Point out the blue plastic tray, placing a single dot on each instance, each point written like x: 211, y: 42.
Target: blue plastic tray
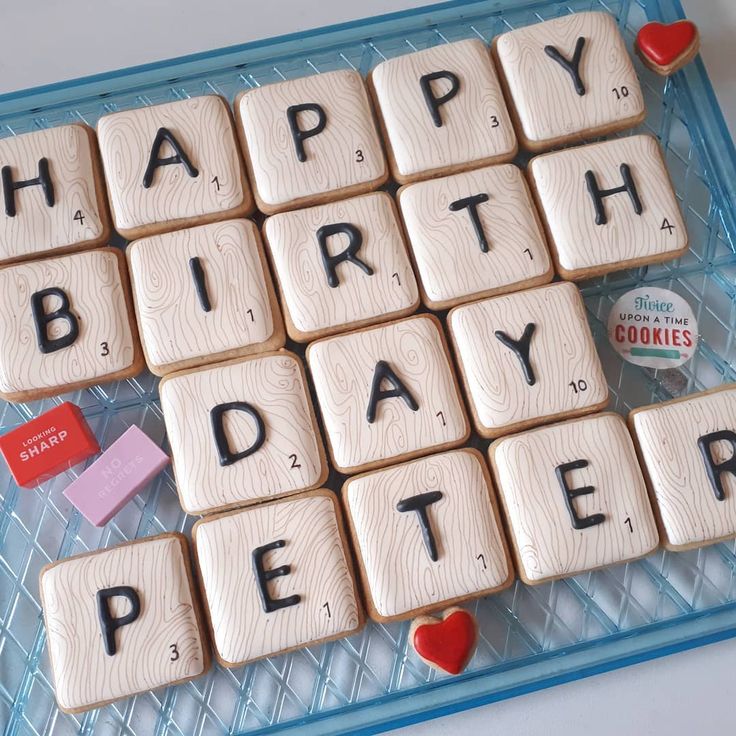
x: 529, y: 638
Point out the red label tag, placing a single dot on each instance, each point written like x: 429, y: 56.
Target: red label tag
x: 46, y: 446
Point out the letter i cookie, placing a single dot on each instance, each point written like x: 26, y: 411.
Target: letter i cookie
x: 688, y: 451
x: 66, y: 323
x: 276, y: 577
x: 574, y: 497
x: 121, y: 621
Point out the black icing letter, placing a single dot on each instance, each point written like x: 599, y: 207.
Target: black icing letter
x: 572, y: 493
x: 200, y: 283
x: 108, y: 623
x: 714, y: 469
x: 180, y: 157
x: 350, y: 254
x: 521, y: 348
x: 599, y: 194
x: 43, y: 180
x: 225, y: 454
x: 471, y: 205
x: 571, y: 66
x: 419, y: 504
x: 42, y: 319
x: 263, y: 576
x: 299, y: 135
x: 381, y: 371
x: 434, y: 103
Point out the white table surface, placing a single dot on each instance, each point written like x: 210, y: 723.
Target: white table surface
x: 44, y: 41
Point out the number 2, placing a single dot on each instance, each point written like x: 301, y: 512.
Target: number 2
x: 294, y: 463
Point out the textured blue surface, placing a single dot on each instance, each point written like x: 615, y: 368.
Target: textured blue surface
x: 530, y: 637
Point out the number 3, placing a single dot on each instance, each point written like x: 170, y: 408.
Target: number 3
x: 174, y: 652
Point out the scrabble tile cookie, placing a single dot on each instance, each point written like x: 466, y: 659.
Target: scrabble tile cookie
x: 574, y: 497
x: 310, y: 140
x: 276, y: 577
x: 569, y: 78
x: 527, y: 358
x: 241, y: 431
x: 121, y: 621
x: 172, y: 165
x: 474, y: 234
x: 342, y: 264
x: 427, y: 534
x: 442, y: 110
x: 53, y: 193
x: 387, y: 393
x: 608, y: 206
x: 687, y: 447
x: 203, y: 295
x: 66, y: 323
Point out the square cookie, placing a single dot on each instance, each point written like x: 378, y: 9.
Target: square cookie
x: 276, y: 577
x: 574, y: 497
x: 474, y: 234
x: 202, y: 295
x: 309, y: 140
x: 442, y: 110
x: 172, y: 165
x: 66, y: 323
x: 569, y: 78
x: 527, y: 358
x: 687, y: 448
x: 53, y: 193
x: 121, y: 621
x: 427, y: 534
x: 342, y: 264
x: 241, y: 432
x: 387, y: 393
x: 608, y: 206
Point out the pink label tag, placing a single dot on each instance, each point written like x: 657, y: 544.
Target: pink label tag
x: 116, y: 476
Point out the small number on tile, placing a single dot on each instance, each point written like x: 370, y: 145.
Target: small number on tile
x: 621, y: 92
x: 326, y: 605
x: 359, y: 157
x: 216, y: 182
x: 494, y: 122
x: 105, y: 349
x: 174, y: 652
x: 79, y: 217
x: 627, y: 521
x: 578, y: 386
x: 396, y: 276
x: 529, y: 253
x: 294, y: 464
x: 441, y: 416
x: 666, y: 225
x: 482, y: 558
x: 250, y: 312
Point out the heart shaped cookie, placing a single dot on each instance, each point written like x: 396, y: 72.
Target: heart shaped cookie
x: 447, y: 643
x: 666, y: 48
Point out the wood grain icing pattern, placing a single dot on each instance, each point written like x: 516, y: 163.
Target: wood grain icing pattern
x: 158, y: 569
x: 546, y: 544
x: 580, y: 246
x: 345, y: 158
x: 399, y: 577
x: 319, y: 573
x: 547, y: 106
x: 452, y: 265
x: 476, y: 127
x: 568, y: 375
x: 343, y: 368
x: 107, y: 347
x: 243, y: 315
x: 78, y: 218
x: 313, y: 307
x: 204, y: 129
x: 667, y: 435
x: 291, y: 457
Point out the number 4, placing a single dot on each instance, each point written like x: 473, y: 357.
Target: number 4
x: 79, y: 217
x: 667, y: 226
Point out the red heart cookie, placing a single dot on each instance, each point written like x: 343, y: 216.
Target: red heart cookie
x: 667, y: 48
x: 446, y: 643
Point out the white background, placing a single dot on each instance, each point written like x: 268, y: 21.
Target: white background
x: 43, y: 41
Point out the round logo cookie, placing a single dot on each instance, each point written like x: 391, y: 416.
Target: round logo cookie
x: 653, y: 327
